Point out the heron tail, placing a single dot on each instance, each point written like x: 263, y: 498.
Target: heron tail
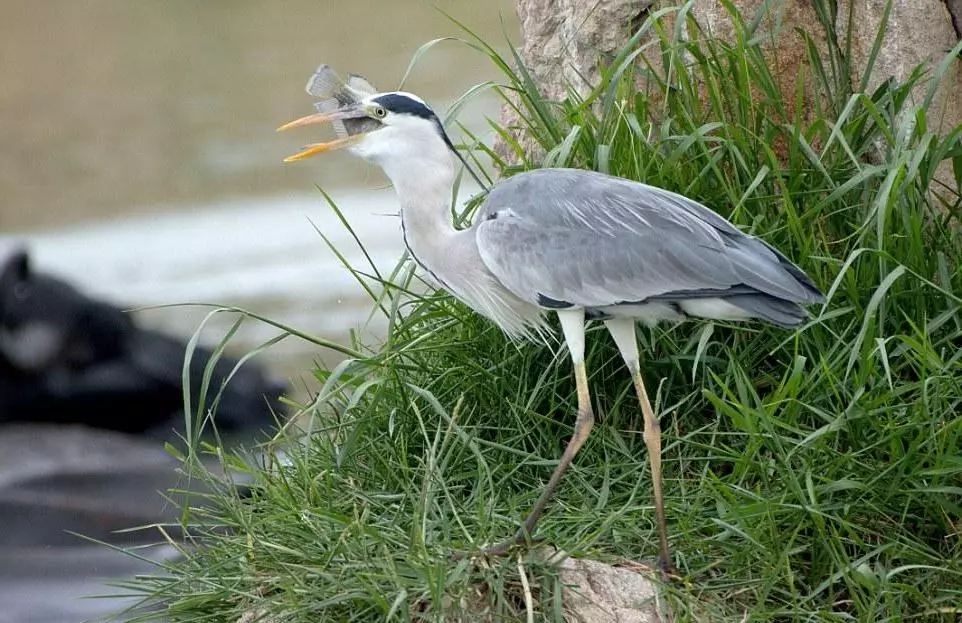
x: 772, y: 309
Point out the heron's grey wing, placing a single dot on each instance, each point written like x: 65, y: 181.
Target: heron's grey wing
x: 587, y: 239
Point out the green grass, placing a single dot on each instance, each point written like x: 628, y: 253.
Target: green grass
x: 809, y: 476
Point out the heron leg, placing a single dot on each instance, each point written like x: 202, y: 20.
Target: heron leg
x: 573, y: 326
x: 623, y: 332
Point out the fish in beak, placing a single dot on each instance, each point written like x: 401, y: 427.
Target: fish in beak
x: 353, y: 132
x: 339, y: 105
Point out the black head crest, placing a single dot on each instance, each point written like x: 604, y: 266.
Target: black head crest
x: 405, y: 105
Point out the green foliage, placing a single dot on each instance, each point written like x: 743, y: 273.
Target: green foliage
x: 810, y: 476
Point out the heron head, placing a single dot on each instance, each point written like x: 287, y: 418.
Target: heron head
x: 382, y: 128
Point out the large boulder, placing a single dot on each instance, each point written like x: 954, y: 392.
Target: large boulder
x: 562, y: 43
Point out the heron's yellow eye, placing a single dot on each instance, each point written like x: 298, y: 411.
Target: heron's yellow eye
x: 379, y: 112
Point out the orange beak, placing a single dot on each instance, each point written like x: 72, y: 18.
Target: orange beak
x: 324, y: 117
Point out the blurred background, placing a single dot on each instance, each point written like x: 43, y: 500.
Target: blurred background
x: 139, y: 159
x: 139, y: 163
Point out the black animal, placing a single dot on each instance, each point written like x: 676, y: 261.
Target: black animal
x: 65, y: 357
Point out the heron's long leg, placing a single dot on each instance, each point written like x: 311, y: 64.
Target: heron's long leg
x: 573, y: 326
x: 623, y: 332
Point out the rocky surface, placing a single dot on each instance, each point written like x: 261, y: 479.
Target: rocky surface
x: 591, y: 592
x: 562, y: 42
x: 919, y: 31
x: 595, y: 592
x: 955, y: 10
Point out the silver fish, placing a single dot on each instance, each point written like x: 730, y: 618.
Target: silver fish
x: 335, y: 93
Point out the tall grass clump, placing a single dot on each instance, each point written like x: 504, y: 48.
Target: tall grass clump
x: 813, y: 475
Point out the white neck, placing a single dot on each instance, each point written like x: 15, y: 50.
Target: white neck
x: 424, y: 180
x: 424, y: 184
x: 414, y: 155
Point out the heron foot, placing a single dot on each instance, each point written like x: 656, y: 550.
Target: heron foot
x: 501, y: 549
x: 668, y: 572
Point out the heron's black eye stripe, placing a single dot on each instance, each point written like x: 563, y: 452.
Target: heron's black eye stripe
x: 405, y: 105
x: 402, y: 104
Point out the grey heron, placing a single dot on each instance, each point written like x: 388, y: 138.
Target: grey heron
x: 576, y: 243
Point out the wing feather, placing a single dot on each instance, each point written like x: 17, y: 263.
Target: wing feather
x: 593, y: 240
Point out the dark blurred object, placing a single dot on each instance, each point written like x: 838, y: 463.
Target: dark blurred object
x: 65, y: 357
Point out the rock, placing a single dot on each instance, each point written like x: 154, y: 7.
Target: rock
x: 561, y: 45
x: 258, y: 615
x: 591, y: 592
x: 919, y: 31
x: 784, y: 47
x: 595, y: 592
x: 563, y: 41
x: 955, y: 10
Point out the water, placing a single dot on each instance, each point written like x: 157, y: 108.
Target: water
x: 262, y: 255
x: 139, y: 160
